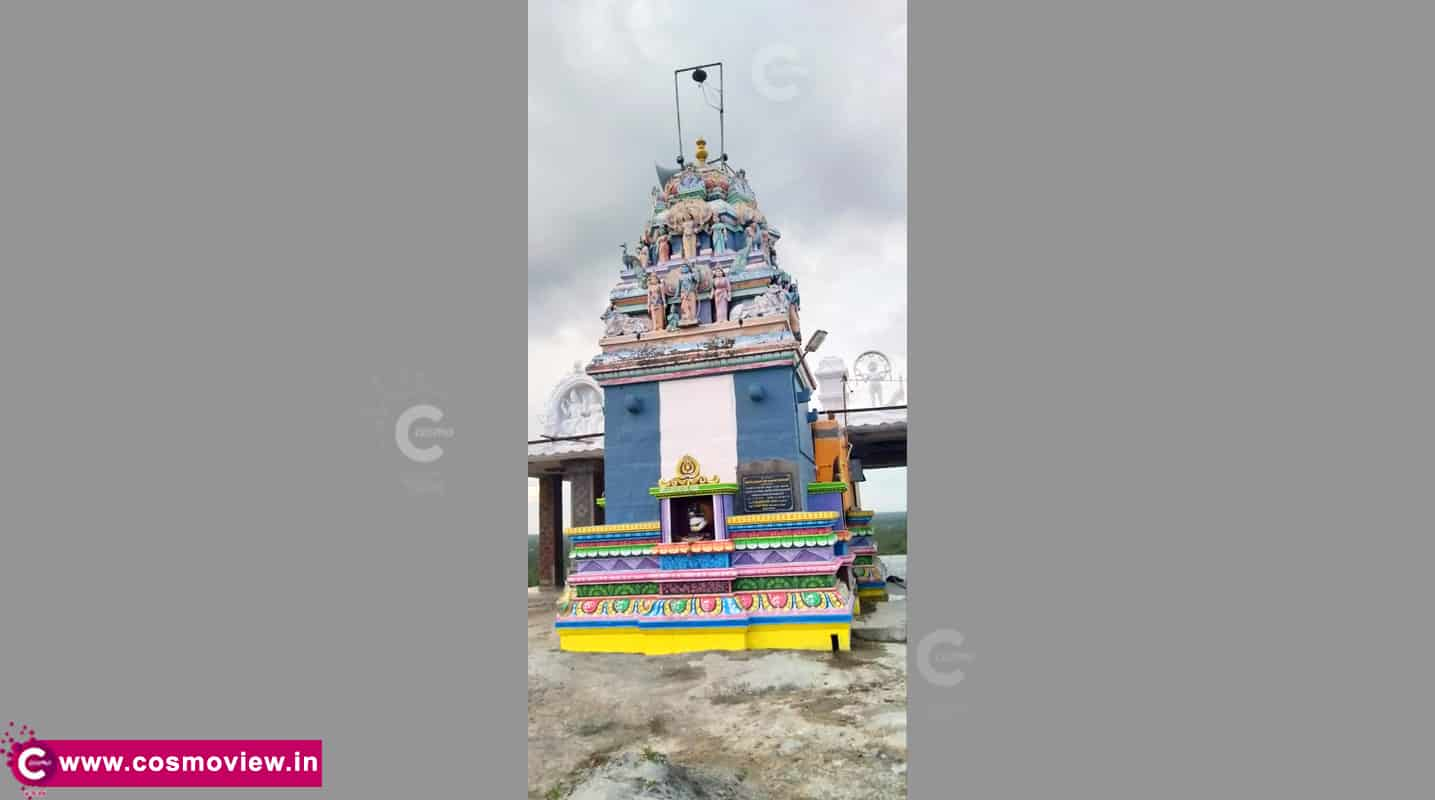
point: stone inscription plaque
(767, 492)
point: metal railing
(844, 411)
(578, 437)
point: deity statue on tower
(722, 293)
(754, 238)
(665, 246)
(690, 240)
(719, 237)
(656, 302)
(688, 296)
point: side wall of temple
(762, 414)
(631, 418)
(771, 422)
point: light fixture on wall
(818, 337)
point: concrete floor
(746, 725)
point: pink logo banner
(167, 763)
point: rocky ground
(760, 725)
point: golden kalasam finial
(702, 154)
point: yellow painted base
(872, 594)
(656, 642)
(799, 637)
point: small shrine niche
(693, 519)
(694, 506)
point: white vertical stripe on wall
(699, 418)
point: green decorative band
(860, 530)
(783, 582)
(769, 542)
(861, 561)
(624, 550)
(686, 491)
(615, 589)
(825, 487)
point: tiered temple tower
(724, 529)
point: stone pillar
(600, 516)
(584, 481)
(550, 525)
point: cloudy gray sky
(816, 98)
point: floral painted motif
(783, 582)
(616, 589)
(740, 604)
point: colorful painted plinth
(866, 567)
(802, 620)
(773, 585)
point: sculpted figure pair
(687, 297)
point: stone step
(887, 622)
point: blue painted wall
(804, 432)
(775, 426)
(630, 453)
(827, 501)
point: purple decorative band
(784, 556)
(615, 564)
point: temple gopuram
(731, 519)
